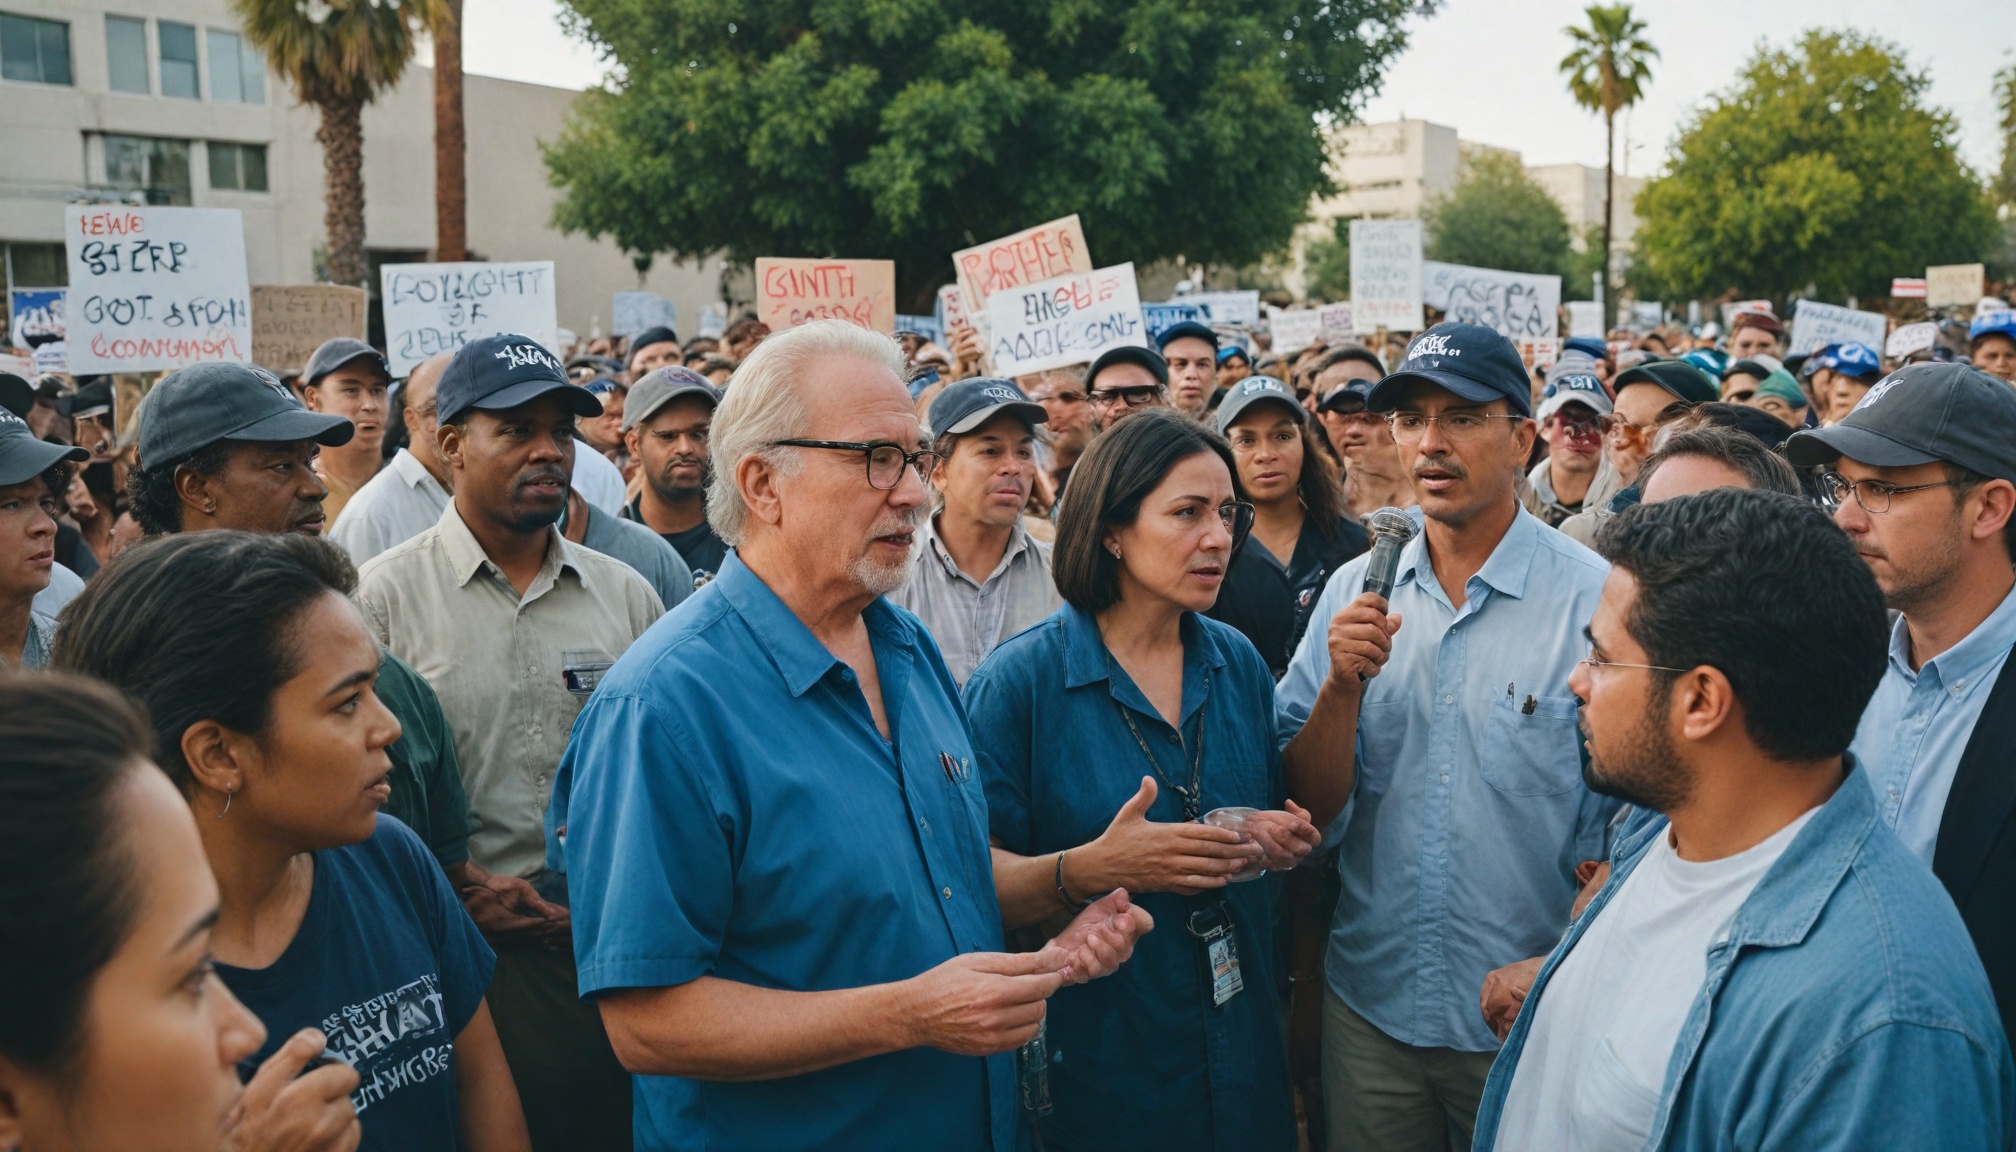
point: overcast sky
(1488, 67)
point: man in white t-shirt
(1768, 966)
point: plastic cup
(1234, 819)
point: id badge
(1213, 927)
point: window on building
(37, 51)
(35, 265)
(158, 167)
(237, 167)
(237, 74)
(126, 54)
(178, 59)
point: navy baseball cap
(1473, 362)
(1918, 414)
(1347, 397)
(1147, 358)
(1677, 377)
(1590, 346)
(1231, 352)
(967, 405)
(657, 334)
(17, 395)
(93, 399)
(660, 387)
(1254, 390)
(23, 456)
(1182, 328)
(194, 407)
(499, 372)
(334, 354)
(1848, 359)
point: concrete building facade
(163, 100)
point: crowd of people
(810, 740)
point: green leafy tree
(1821, 167)
(1607, 71)
(906, 129)
(339, 55)
(1326, 264)
(1498, 217)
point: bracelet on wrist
(1057, 878)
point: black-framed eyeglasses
(1139, 396)
(1873, 495)
(885, 458)
(1237, 516)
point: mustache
(528, 478)
(1447, 464)
(893, 523)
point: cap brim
(1027, 409)
(1226, 416)
(633, 418)
(28, 458)
(1555, 403)
(1815, 446)
(325, 428)
(1386, 393)
(582, 401)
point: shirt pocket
(1614, 1109)
(1532, 753)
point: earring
(1115, 549)
(228, 793)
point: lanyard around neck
(1192, 797)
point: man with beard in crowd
(666, 427)
(513, 625)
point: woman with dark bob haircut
(1129, 744)
(116, 1032)
(259, 673)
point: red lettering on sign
(112, 223)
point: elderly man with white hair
(775, 841)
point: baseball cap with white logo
(1919, 414)
(1253, 390)
(1471, 361)
(964, 406)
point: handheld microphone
(1391, 529)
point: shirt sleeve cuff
(644, 972)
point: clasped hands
(1186, 858)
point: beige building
(163, 100)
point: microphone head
(1391, 522)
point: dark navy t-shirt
(390, 968)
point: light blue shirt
(1918, 724)
(1468, 814)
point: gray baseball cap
(660, 387)
(334, 354)
(1253, 390)
(1919, 414)
(197, 406)
(23, 456)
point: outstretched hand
(1100, 938)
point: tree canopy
(1822, 167)
(1498, 217)
(906, 129)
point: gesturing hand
(283, 1111)
(1505, 990)
(1147, 856)
(981, 1003)
(507, 907)
(1285, 837)
(1361, 639)
(1101, 938)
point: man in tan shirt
(512, 625)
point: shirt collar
(1018, 543)
(793, 650)
(1966, 660)
(413, 472)
(1085, 655)
(466, 556)
(1783, 907)
(1510, 563)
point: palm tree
(451, 189)
(339, 55)
(1607, 71)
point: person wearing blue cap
(1442, 716)
(977, 577)
(33, 475)
(513, 625)
(1839, 375)
(1991, 343)
(1234, 364)
(1192, 352)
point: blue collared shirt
(1918, 723)
(1845, 1008)
(1468, 814)
(1142, 1058)
(731, 811)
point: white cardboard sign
(1065, 320)
(1815, 325)
(155, 287)
(1386, 275)
(1521, 305)
(1294, 330)
(433, 308)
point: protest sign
(1225, 307)
(637, 312)
(1520, 305)
(1907, 287)
(433, 308)
(1910, 338)
(1066, 320)
(52, 357)
(1585, 318)
(1335, 320)
(155, 287)
(1540, 353)
(925, 326)
(1162, 317)
(289, 322)
(1954, 284)
(791, 291)
(1386, 275)
(1815, 325)
(1294, 330)
(1030, 256)
(952, 308)
(35, 316)
(1647, 315)
(18, 365)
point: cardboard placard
(433, 308)
(290, 321)
(1910, 338)
(1954, 284)
(1066, 320)
(637, 312)
(1520, 305)
(1033, 255)
(1907, 288)
(1386, 276)
(155, 287)
(925, 326)
(791, 291)
(1293, 330)
(1815, 325)
(1585, 319)
(1162, 317)
(1336, 323)
(1238, 308)
(34, 315)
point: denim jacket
(1846, 1008)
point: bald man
(405, 498)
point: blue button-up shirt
(732, 811)
(1918, 723)
(1844, 1008)
(1142, 1058)
(1468, 814)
